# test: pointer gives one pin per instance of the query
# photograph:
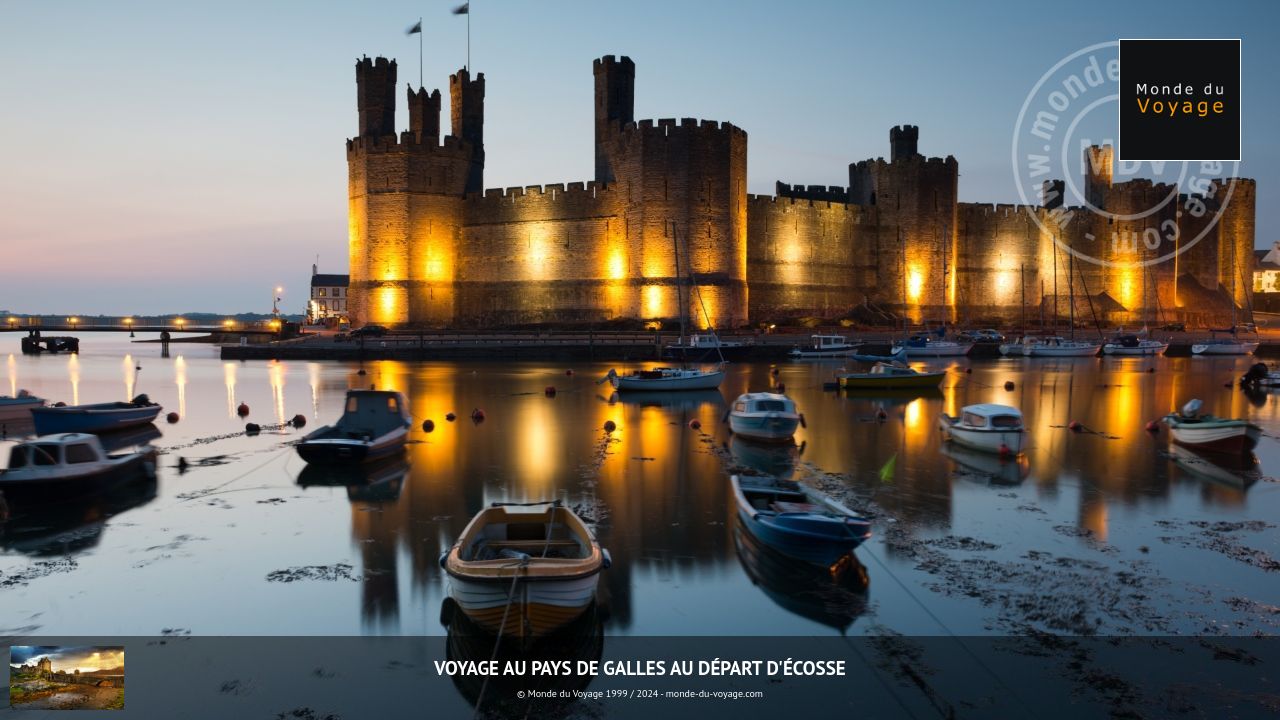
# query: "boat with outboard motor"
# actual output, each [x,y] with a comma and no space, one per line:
[374,424]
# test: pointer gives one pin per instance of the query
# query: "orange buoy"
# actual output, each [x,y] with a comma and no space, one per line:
[428,425]
[610,426]
[171,417]
[549,391]
[298,420]
[450,417]
[1008,385]
[242,410]
[1075,426]
[694,424]
[1153,426]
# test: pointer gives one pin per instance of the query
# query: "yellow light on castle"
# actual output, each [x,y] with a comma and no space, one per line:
[652,298]
[915,284]
[616,265]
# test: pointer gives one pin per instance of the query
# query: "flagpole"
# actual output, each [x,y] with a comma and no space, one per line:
[420,33]
[468,36]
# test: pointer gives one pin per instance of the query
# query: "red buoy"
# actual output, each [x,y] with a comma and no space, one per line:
[694,424]
[1153,426]
[610,426]
[569,372]
[881,415]
[298,421]
[242,410]
[428,425]
[1075,426]
[450,417]
[550,391]
[171,417]
[477,416]
[1008,385]
[1005,452]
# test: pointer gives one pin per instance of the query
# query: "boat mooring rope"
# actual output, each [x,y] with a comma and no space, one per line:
[498,640]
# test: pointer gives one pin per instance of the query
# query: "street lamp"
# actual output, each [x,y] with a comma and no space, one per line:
[128,322]
[13,322]
[73,321]
[275,302]
[180,322]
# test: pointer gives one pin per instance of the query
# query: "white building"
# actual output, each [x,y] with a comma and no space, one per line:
[328,298]
[1266,270]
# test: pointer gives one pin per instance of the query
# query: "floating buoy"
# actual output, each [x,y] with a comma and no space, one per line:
[428,426]
[881,415]
[549,391]
[450,417]
[252,428]
[298,420]
[694,424]
[1226,384]
[477,416]
[610,426]
[1005,452]
[1153,426]
[1075,426]
[242,410]
[59,404]
[139,367]
[171,417]
[569,372]
[774,371]
[1008,385]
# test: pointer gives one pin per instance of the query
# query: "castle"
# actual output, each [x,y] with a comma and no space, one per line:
[668,209]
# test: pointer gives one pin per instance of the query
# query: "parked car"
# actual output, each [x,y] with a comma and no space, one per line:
[981,336]
[369,331]
[1174,327]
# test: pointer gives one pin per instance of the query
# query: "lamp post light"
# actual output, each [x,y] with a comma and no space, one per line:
[180,322]
[275,301]
[13,323]
[128,322]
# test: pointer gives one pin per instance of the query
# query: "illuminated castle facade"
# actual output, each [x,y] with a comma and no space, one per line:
[430,247]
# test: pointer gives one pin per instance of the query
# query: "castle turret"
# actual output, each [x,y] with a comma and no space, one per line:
[424,115]
[467,104]
[615,106]
[1098,165]
[902,142]
[376,96]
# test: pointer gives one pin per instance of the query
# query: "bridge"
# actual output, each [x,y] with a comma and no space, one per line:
[27,325]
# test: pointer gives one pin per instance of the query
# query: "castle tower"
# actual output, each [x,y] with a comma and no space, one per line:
[44,666]
[902,142]
[424,115]
[466,98]
[614,107]
[376,96]
[1098,167]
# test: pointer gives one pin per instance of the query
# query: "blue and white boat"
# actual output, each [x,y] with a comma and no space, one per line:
[96,418]
[770,417]
[896,353]
[797,520]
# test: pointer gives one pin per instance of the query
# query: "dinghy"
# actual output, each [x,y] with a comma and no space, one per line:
[987,427]
[525,572]
[770,417]
[375,424]
[798,520]
[96,418]
[69,466]
[1189,428]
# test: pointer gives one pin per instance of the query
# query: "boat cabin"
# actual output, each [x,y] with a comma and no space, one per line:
[829,342]
[56,450]
[374,412]
[991,416]
[764,403]
[892,369]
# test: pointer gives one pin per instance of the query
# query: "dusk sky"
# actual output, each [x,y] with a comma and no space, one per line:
[84,658]
[171,157]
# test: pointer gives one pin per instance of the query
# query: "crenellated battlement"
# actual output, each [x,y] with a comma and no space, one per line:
[579,195]
[829,193]
[668,127]
[993,210]
[407,142]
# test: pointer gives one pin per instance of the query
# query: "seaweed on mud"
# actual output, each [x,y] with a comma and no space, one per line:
[337,571]
[1220,537]
[36,570]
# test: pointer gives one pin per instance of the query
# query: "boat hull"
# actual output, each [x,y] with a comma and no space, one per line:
[990,441]
[18,410]
[937,351]
[702,381]
[707,354]
[538,606]
[821,540]
[766,428]
[822,354]
[1243,348]
[93,481]
[348,452]
[1050,351]
[1122,351]
[1235,437]
[54,420]
[871,381]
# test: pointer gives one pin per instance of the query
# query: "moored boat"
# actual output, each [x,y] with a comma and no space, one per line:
[665,379]
[1189,428]
[891,376]
[18,409]
[374,424]
[1224,347]
[708,346]
[68,466]
[892,353]
[525,572]
[926,346]
[798,520]
[1056,346]
[95,418]
[770,417]
[987,427]
[825,346]
[1132,345]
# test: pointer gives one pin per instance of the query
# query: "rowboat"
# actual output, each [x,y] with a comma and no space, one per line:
[96,418]
[825,346]
[798,520]
[374,424]
[890,376]
[68,466]
[666,379]
[925,346]
[18,409]
[1132,345]
[1056,346]
[987,427]
[525,572]
[1189,428]
[1224,347]
[770,417]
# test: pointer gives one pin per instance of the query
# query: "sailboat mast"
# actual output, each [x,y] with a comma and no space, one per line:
[1022,286]
[675,244]
[1056,314]
[1071,290]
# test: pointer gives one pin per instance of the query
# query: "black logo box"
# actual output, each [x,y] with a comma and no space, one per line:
[1188,64]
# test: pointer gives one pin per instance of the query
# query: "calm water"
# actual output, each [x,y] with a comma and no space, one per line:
[1099,531]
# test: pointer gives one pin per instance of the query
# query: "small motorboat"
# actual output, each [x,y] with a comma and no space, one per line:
[665,379]
[1132,345]
[1260,376]
[69,466]
[1189,428]
[708,347]
[891,376]
[1224,346]
[1057,346]
[893,353]
[524,572]
[771,417]
[375,424]
[18,409]
[926,346]
[825,346]
[798,520]
[987,427]
[96,418]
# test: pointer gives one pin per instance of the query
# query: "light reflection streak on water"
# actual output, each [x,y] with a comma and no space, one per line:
[229,378]
[130,378]
[73,373]
[276,373]
[13,376]
[180,379]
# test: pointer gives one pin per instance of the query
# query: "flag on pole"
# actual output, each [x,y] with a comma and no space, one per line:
[463,9]
[887,472]
[416,29]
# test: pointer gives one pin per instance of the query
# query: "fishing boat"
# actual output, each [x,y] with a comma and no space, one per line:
[18,409]
[987,427]
[825,346]
[893,353]
[1132,345]
[1225,346]
[96,418]
[1058,346]
[68,466]
[798,520]
[771,417]
[374,424]
[702,346]
[1189,428]
[926,346]
[890,376]
[525,572]
[664,379]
